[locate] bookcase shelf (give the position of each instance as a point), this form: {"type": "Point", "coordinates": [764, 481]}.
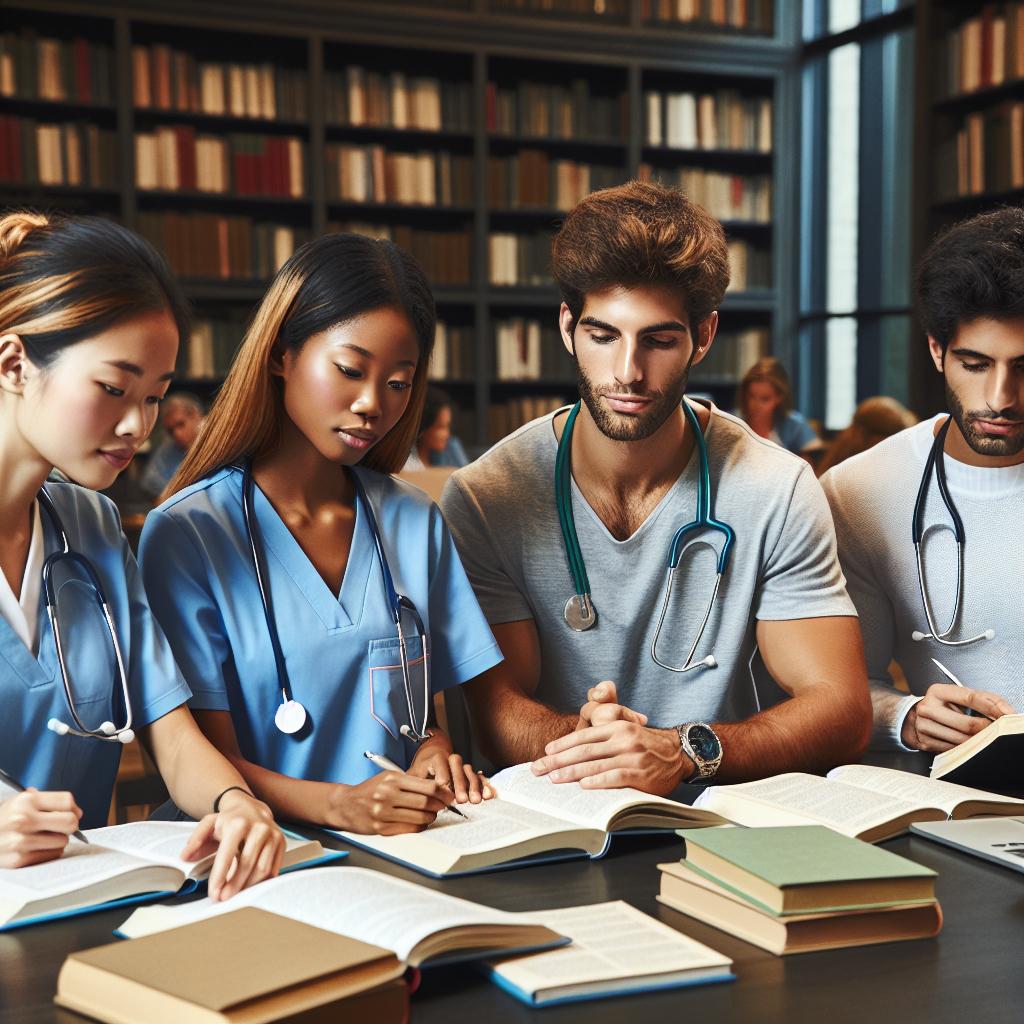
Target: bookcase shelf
{"type": "Point", "coordinates": [51, 109]}
{"type": "Point", "coordinates": [218, 123]}
{"type": "Point", "coordinates": [980, 98]}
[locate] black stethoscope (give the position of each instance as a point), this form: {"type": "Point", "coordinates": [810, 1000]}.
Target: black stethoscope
{"type": "Point", "coordinates": [291, 716]}
{"type": "Point", "coordinates": [935, 464]}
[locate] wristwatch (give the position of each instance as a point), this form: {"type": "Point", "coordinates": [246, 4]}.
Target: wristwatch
{"type": "Point", "coordinates": [702, 746]}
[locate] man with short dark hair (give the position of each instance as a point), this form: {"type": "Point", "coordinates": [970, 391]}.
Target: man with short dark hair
{"type": "Point", "coordinates": [946, 606]}
{"type": "Point", "coordinates": [566, 527]}
{"type": "Point", "coordinates": [181, 417]}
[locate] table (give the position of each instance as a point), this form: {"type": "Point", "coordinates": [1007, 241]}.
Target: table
{"type": "Point", "coordinates": [972, 972]}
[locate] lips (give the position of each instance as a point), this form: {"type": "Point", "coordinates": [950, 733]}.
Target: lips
{"type": "Point", "coordinates": [118, 457]}
{"type": "Point", "coordinates": [997, 428]}
{"type": "Point", "coordinates": [357, 437]}
{"type": "Point", "coordinates": [628, 404]}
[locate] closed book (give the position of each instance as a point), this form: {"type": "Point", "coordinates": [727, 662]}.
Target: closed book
{"type": "Point", "coordinates": [247, 965]}
{"type": "Point", "coordinates": [993, 756]}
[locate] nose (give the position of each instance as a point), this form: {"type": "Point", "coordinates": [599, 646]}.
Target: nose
{"type": "Point", "coordinates": [133, 423]}
{"type": "Point", "coordinates": [628, 370]}
{"type": "Point", "coordinates": [1004, 395]}
{"type": "Point", "coordinates": [367, 402]}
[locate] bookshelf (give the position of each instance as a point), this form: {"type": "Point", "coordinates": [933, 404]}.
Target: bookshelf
{"type": "Point", "coordinates": [463, 131]}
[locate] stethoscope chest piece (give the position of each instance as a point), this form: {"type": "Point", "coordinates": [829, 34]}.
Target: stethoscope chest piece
{"type": "Point", "coordinates": [580, 613]}
{"type": "Point", "coordinates": [290, 717]}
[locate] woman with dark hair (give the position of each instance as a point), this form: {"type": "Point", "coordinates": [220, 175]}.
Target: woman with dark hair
{"type": "Point", "coordinates": [276, 565]}
{"type": "Point", "coordinates": [90, 323]}
{"type": "Point", "coordinates": [435, 443]}
{"type": "Point", "coordinates": [765, 401]}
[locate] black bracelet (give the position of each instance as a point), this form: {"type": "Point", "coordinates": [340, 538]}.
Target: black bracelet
{"type": "Point", "coordinates": [220, 796]}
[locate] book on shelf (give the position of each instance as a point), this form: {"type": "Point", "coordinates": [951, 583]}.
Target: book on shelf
{"type": "Point", "coordinates": [616, 950]}
{"type": "Point", "coordinates": [230, 969]}
{"type": "Point", "coordinates": [445, 255]}
{"type": "Point", "coordinates": [750, 266]}
{"type": "Point", "coordinates": [731, 355]}
{"type": "Point", "coordinates": [749, 15]}
{"type": "Point", "coordinates": [120, 863]}
{"type": "Point", "coordinates": [533, 179]}
{"type": "Point", "coordinates": [983, 51]}
{"type": "Point", "coordinates": [858, 800]}
{"type": "Point", "coordinates": [724, 195]}
{"type": "Point", "coordinates": [374, 174]}
{"type": "Point", "coordinates": [165, 78]}
{"type": "Point", "coordinates": [75, 153]}
{"type": "Point", "coordinates": [992, 757]}
{"type": "Point", "coordinates": [570, 111]}
{"type": "Point", "coordinates": [530, 820]}
{"type": "Point", "coordinates": [422, 927]}
{"type": "Point", "coordinates": [725, 119]}
{"type": "Point", "coordinates": [360, 98]}
{"type": "Point", "coordinates": [453, 354]}
{"type": "Point", "coordinates": [526, 349]}
{"type": "Point", "coordinates": [520, 259]}
{"type": "Point", "coordinates": [605, 10]}
{"type": "Point", "coordinates": [211, 348]}
{"type": "Point", "coordinates": [504, 417]}
{"type": "Point", "coordinates": [177, 158]}
{"type": "Point", "coordinates": [986, 154]}
{"type": "Point", "coordinates": [36, 67]}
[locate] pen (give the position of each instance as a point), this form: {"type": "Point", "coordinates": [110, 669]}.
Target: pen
{"type": "Point", "coordinates": [953, 679]}
{"type": "Point", "coordinates": [387, 765]}
{"type": "Point", "coordinates": [15, 784]}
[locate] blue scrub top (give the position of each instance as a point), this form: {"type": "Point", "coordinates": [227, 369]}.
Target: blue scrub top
{"type": "Point", "coordinates": [31, 686]}
{"type": "Point", "coordinates": [340, 650]}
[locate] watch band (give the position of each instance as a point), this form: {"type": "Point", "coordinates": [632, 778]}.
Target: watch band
{"type": "Point", "coordinates": [703, 768]}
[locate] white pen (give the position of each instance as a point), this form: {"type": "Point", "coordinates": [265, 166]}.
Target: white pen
{"type": "Point", "coordinates": [387, 765]}
{"type": "Point", "coordinates": [953, 679]}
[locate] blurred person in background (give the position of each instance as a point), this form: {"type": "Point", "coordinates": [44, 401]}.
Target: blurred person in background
{"type": "Point", "coordinates": [436, 445]}
{"type": "Point", "coordinates": [765, 401]}
{"type": "Point", "coordinates": [181, 417]}
{"type": "Point", "coordinates": [875, 419]}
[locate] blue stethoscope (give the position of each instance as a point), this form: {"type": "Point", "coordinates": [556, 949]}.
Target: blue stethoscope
{"type": "Point", "coordinates": [580, 613]}
{"type": "Point", "coordinates": [291, 716]}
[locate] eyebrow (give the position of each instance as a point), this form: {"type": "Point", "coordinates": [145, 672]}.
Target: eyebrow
{"type": "Point", "coordinates": [369, 355]}
{"type": "Point", "coordinates": [971, 354]}
{"type": "Point", "coordinates": [665, 325]}
{"type": "Point", "coordinates": [135, 371]}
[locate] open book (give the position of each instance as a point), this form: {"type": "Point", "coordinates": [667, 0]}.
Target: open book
{"type": "Point", "coordinates": [994, 756]}
{"type": "Point", "coordinates": [858, 800]}
{"type": "Point", "coordinates": [615, 949]}
{"type": "Point", "coordinates": [530, 816]}
{"type": "Point", "coordinates": [122, 863]}
{"type": "Point", "coordinates": [422, 927]}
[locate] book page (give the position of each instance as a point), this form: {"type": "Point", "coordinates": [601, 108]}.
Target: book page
{"type": "Point", "coordinates": [918, 789]}
{"type": "Point", "coordinates": [160, 842]}
{"type": "Point", "coordinates": [609, 941]}
{"type": "Point", "coordinates": [79, 867]}
{"type": "Point", "coordinates": [363, 904]}
{"type": "Point", "coordinates": [797, 798]}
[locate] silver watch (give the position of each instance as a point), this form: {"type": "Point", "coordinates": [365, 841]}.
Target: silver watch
{"type": "Point", "coordinates": [702, 746]}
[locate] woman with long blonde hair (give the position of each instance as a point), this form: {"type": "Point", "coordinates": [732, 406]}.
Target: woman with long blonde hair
{"type": "Point", "coordinates": [90, 322]}
{"type": "Point", "coordinates": [276, 566]}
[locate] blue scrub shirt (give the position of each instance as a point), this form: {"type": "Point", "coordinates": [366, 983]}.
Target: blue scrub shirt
{"type": "Point", "coordinates": [31, 686]}
{"type": "Point", "coordinates": [340, 650]}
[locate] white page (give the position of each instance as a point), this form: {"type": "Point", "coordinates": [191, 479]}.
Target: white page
{"type": "Point", "coordinates": [609, 940]}
{"type": "Point", "coordinates": [78, 867]}
{"type": "Point", "coordinates": [158, 841]}
{"type": "Point", "coordinates": [363, 904]}
{"type": "Point", "coordinates": [918, 789]}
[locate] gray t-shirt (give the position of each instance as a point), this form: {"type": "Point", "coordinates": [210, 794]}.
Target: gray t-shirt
{"type": "Point", "coordinates": [501, 511]}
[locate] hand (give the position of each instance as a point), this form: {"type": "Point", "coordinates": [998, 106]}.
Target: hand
{"type": "Point", "coordinates": [389, 804]}
{"type": "Point", "coordinates": [936, 723]}
{"type": "Point", "coordinates": [602, 706]}
{"type": "Point", "coordinates": [617, 754]}
{"type": "Point", "coordinates": [35, 826]}
{"type": "Point", "coordinates": [435, 760]}
{"type": "Point", "coordinates": [248, 844]}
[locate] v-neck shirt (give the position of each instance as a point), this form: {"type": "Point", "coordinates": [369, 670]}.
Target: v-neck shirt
{"type": "Point", "coordinates": [22, 610]}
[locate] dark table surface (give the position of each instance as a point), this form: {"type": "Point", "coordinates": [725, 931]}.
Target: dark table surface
{"type": "Point", "coordinates": [972, 972]}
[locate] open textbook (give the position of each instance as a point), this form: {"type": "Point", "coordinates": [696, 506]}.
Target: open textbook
{"type": "Point", "coordinates": [121, 863]}
{"type": "Point", "coordinates": [422, 927]}
{"type": "Point", "coordinates": [858, 800]}
{"type": "Point", "coordinates": [530, 816]}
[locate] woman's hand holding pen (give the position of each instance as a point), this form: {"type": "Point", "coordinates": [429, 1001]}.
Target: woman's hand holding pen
{"type": "Point", "coordinates": [391, 803]}
{"type": "Point", "coordinates": [937, 721]}
{"type": "Point", "coordinates": [35, 827]}
{"type": "Point", "coordinates": [436, 760]}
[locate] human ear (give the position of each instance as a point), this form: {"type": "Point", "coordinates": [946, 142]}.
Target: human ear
{"type": "Point", "coordinates": [706, 331]}
{"type": "Point", "coordinates": [938, 353]}
{"type": "Point", "coordinates": [13, 363]}
{"type": "Point", "coordinates": [565, 327]}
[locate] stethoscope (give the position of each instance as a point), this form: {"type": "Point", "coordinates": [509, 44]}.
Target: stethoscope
{"type": "Point", "coordinates": [935, 463]}
{"type": "Point", "coordinates": [107, 730]}
{"type": "Point", "coordinates": [580, 613]}
{"type": "Point", "coordinates": [291, 716]}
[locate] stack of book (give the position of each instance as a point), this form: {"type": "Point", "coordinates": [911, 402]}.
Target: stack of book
{"type": "Point", "coordinates": [168, 79]}
{"type": "Point", "coordinates": [725, 196]}
{"type": "Point", "coordinates": [56, 154]}
{"type": "Point", "coordinates": [359, 98]}
{"type": "Point", "coordinates": [722, 120]}
{"type": "Point", "coordinates": [452, 357]}
{"type": "Point", "coordinates": [750, 266]}
{"type": "Point", "coordinates": [556, 111]}
{"type": "Point", "coordinates": [520, 259]}
{"type": "Point", "coordinates": [444, 255]}
{"type": "Point", "coordinates": [794, 889]}
{"type": "Point", "coordinates": [526, 350]}
{"type": "Point", "coordinates": [750, 15]}
{"type": "Point", "coordinates": [176, 159]}
{"type": "Point", "coordinates": [984, 51]}
{"type": "Point", "coordinates": [532, 179]}
{"type": "Point", "coordinates": [372, 174]}
{"type": "Point", "coordinates": [75, 71]}
{"type": "Point", "coordinates": [985, 155]}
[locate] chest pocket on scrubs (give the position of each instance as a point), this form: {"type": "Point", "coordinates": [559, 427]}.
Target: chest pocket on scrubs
{"type": "Point", "coordinates": [387, 696]}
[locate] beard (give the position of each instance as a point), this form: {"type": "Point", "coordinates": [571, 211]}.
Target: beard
{"type": "Point", "coordinates": [985, 444]}
{"type": "Point", "coordinates": [622, 427]}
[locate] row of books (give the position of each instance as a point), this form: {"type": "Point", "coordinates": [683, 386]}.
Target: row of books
{"type": "Point", "coordinates": [56, 154]}
{"type": "Point", "coordinates": [720, 120]}
{"type": "Point", "coordinates": [750, 266]}
{"type": "Point", "coordinates": [62, 71]}
{"type": "Point", "coordinates": [985, 155]}
{"type": "Point", "coordinates": [752, 15]}
{"type": "Point", "coordinates": [176, 158]}
{"type": "Point", "coordinates": [526, 349]}
{"type": "Point", "coordinates": [731, 355]}
{"type": "Point", "coordinates": [984, 51]}
{"type": "Point", "coordinates": [454, 355]}
{"type": "Point", "coordinates": [211, 245]}
{"type": "Point", "coordinates": [555, 111]}
{"type": "Point", "coordinates": [725, 196]}
{"type": "Point", "coordinates": [373, 174]}
{"type": "Point", "coordinates": [164, 78]}
{"type": "Point", "coordinates": [360, 98]}
{"type": "Point", "coordinates": [607, 10]}
{"type": "Point", "coordinates": [516, 259]}
{"type": "Point", "coordinates": [444, 255]}
{"type": "Point", "coordinates": [211, 348]}
{"type": "Point", "coordinates": [532, 178]}
{"type": "Point", "coordinates": [505, 417]}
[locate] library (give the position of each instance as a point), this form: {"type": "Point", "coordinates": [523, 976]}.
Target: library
{"type": "Point", "coordinates": [830, 200]}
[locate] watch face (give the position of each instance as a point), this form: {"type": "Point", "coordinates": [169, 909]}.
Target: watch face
{"type": "Point", "coordinates": [704, 742]}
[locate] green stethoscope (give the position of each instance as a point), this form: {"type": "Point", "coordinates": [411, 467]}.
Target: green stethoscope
{"type": "Point", "coordinates": [580, 613]}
